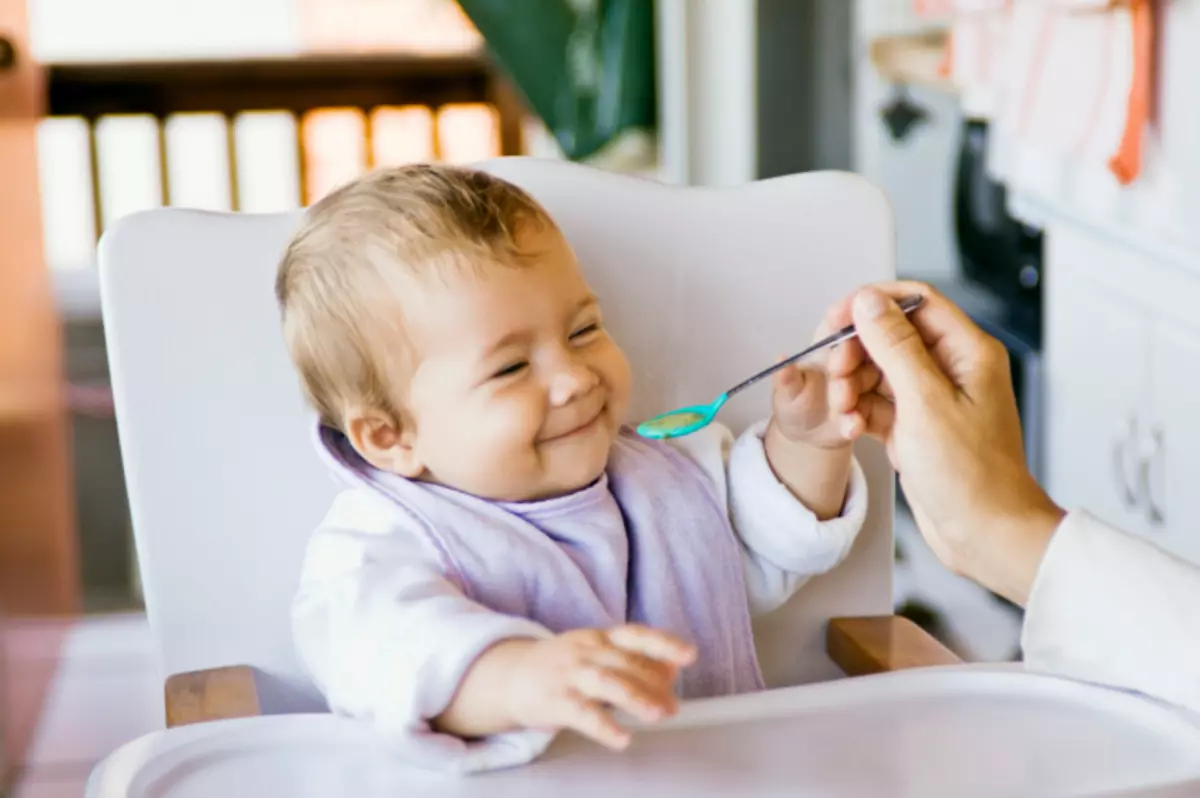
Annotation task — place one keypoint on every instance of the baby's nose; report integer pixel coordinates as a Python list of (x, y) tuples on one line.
[(571, 382)]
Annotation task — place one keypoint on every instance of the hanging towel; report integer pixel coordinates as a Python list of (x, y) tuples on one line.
[(1073, 78), (974, 48), (1126, 163), (934, 8), (1076, 81), (1081, 72)]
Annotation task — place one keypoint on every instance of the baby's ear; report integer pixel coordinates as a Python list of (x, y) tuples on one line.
[(385, 442)]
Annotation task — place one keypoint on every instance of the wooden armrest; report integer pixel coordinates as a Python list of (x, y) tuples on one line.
[(861, 646), (216, 694)]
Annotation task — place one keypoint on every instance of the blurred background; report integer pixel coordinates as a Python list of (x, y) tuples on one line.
[(1036, 155)]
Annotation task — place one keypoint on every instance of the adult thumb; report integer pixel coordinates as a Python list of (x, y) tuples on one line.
[(895, 345)]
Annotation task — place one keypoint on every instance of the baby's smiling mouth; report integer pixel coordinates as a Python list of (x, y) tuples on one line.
[(578, 429)]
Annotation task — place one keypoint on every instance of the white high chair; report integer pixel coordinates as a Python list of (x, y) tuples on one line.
[(700, 287)]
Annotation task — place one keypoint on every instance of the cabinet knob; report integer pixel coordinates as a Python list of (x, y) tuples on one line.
[(1120, 458), (1153, 460)]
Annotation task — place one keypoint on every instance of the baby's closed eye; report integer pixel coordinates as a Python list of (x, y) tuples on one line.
[(585, 331), (512, 369)]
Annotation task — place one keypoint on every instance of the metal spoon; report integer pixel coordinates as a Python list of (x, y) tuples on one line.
[(687, 420)]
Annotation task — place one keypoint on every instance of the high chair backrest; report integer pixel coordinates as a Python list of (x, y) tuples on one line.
[(701, 287)]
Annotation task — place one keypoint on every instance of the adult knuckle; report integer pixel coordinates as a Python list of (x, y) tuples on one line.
[(926, 290), (930, 396), (992, 353), (897, 331)]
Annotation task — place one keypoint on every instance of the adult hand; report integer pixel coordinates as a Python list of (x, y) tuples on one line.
[(945, 408)]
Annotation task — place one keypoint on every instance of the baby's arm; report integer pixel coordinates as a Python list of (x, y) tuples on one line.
[(784, 543), (815, 417), (390, 640), (817, 476)]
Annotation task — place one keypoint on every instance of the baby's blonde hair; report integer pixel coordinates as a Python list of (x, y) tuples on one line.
[(343, 271)]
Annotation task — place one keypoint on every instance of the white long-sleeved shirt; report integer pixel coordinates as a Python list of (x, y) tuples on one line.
[(1112, 609), (388, 637)]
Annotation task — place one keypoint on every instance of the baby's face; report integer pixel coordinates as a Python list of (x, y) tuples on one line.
[(518, 391)]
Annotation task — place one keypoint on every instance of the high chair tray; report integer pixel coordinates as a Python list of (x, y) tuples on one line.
[(931, 732)]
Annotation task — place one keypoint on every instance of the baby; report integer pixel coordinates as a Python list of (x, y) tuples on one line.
[(507, 560)]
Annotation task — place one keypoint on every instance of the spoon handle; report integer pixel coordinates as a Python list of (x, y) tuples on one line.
[(908, 304)]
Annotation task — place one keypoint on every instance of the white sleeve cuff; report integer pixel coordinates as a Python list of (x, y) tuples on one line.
[(406, 721), (783, 542), (1110, 608), (776, 526)]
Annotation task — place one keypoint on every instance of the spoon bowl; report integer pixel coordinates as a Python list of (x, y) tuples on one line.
[(683, 421)]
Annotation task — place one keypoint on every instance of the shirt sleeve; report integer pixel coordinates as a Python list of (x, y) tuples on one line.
[(388, 638), (1112, 609), (783, 542)]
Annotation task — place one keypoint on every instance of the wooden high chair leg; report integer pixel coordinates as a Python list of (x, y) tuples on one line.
[(861, 646), (216, 694)]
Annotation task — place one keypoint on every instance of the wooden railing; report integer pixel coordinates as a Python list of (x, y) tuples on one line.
[(229, 92), (297, 86)]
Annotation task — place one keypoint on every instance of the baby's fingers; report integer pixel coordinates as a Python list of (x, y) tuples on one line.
[(878, 416), (646, 700), (845, 358), (845, 392), (653, 643), (791, 381), (587, 717), (839, 315)]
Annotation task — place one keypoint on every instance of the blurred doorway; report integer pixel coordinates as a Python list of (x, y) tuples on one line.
[(37, 551)]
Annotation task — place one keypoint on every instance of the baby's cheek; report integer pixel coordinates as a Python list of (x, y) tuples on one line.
[(619, 404), (619, 376), (515, 423), (497, 445)]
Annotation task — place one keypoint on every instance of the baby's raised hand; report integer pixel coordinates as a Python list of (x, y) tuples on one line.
[(817, 401), (575, 680)]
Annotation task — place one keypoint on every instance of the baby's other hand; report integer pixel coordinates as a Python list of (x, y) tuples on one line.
[(575, 680), (817, 400)]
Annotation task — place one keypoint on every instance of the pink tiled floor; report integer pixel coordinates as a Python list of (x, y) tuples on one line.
[(105, 691)]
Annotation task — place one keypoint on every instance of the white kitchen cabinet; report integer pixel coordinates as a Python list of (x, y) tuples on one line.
[(1122, 303), (1097, 386), (1171, 470), (1123, 403)]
